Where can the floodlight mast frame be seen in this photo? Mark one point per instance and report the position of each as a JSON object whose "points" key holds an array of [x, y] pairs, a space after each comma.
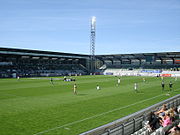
{"points": [[92, 44]]}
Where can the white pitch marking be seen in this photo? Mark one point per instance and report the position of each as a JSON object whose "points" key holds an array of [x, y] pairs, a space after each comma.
{"points": [[78, 121], [67, 128]]}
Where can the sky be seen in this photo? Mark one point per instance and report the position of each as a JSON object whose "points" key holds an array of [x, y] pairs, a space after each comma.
{"points": [[122, 27]]}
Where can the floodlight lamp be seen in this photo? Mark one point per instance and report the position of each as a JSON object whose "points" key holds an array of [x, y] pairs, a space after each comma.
{"points": [[93, 20]]}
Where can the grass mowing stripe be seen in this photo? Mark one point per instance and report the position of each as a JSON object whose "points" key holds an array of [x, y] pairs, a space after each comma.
{"points": [[13, 95], [95, 116]]}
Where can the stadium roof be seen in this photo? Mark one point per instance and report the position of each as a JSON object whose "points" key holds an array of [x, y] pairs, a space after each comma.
{"points": [[160, 55], [26, 52], [39, 53]]}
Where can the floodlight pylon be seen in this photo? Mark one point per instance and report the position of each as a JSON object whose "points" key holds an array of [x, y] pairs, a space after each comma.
{"points": [[92, 44]]}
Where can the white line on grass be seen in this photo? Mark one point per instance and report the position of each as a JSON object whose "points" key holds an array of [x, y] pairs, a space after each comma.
{"points": [[78, 121]]}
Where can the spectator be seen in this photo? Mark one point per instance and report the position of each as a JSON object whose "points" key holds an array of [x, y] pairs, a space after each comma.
{"points": [[176, 113], [154, 122], [162, 110], [166, 120], [175, 130], [172, 114]]}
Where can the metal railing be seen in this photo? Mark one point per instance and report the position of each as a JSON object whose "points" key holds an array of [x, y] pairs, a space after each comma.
{"points": [[131, 123]]}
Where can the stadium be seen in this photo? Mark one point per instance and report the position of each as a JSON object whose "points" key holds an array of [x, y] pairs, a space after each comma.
{"points": [[45, 92], [31, 103]]}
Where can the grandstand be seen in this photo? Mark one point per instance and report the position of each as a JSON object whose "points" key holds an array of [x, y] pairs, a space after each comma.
{"points": [[30, 63], [168, 60]]}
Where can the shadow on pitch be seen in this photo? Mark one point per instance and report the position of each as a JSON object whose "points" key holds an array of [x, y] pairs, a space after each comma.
{"points": [[82, 94], [139, 92]]}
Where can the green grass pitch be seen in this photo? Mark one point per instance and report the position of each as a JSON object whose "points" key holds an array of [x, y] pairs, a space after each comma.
{"points": [[36, 107]]}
